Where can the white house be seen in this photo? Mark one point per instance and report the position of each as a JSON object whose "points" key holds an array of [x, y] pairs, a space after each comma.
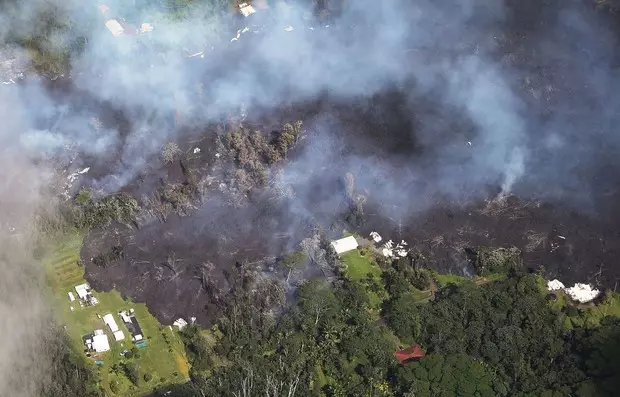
{"points": [[108, 319], [114, 27], [555, 285], [582, 293], [376, 237], [125, 317], [180, 323], [82, 290], [119, 335], [100, 341], [246, 9], [345, 244]]}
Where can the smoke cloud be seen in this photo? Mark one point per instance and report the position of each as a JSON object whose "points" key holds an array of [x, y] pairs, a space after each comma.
{"points": [[23, 310], [486, 98]]}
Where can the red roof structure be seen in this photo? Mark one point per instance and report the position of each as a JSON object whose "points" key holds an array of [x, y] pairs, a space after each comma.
{"points": [[411, 353], [104, 9]]}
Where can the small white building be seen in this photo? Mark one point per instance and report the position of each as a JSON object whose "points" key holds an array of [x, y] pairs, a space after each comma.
{"points": [[100, 341], [119, 335], [71, 297], [108, 319], [125, 317], [376, 237], [246, 9], [582, 293], [82, 290], [114, 27], [345, 244], [180, 324], [555, 285], [137, 337]]}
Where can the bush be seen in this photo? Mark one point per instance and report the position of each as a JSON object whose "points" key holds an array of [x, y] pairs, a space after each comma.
{"points": [[170, 152], [148, 377], [103, 260], [487, 260], [421, 279], [114, 387], [119, 207], [132, 372]]}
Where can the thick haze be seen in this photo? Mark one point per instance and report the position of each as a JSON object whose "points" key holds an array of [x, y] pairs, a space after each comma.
{"points": [[493, 99], [25, 317], [510, 104]]}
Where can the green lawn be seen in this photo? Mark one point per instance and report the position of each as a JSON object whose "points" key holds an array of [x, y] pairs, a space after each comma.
{"points": [[358, 268], [164, 357], [444, 279]]}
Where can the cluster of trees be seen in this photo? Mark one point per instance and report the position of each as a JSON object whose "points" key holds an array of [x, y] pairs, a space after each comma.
{"points": [[355, 200], [71, 374], [105, 259], [500, 338], [253, 152], [488, 260], [46, 30], [91, 213]]}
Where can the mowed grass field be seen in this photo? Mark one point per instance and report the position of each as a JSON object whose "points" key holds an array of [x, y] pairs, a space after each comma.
{"points": [[163, 357], [359, 267]]}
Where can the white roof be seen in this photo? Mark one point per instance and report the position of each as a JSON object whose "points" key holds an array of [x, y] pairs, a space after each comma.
{"points": [[119, 335], [246, 9], [345, 244], [555, 285], [376, 237], [180, 323], [137, 337], [82, 290], [100, 343], [125, 317], [110, 322], [71, 297], [582, 293], [114, 27]]}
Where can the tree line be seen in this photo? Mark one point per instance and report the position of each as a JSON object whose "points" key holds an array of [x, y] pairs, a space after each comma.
{"points": [[502, 338]]}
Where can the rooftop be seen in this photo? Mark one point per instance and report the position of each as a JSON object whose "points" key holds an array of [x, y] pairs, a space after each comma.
{"points": [[100, 342], [345, 244], [411, 353]]}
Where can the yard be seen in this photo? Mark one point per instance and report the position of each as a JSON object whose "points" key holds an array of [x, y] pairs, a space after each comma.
{"points": [[163, 357], [359, 267]]}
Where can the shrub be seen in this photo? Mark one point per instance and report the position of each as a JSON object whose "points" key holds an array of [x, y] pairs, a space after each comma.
{"points": [[132, 372], [114, 387]]}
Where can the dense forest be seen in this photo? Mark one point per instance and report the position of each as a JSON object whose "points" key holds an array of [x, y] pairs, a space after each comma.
{"points": [[501, 338]]}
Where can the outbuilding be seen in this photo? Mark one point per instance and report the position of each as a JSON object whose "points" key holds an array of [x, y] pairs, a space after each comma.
{"points": [[108, 319], [180, 323], [345, 244], [119, 335], [114, 27]]}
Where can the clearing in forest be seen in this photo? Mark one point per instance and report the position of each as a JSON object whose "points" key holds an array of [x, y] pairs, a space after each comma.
{"points": [[161, 362]]}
